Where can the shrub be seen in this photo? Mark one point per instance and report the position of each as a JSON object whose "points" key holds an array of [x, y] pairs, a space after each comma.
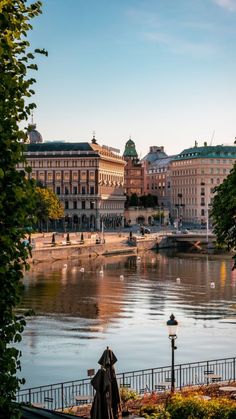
{"points": [[191, 407], [127, 394], [154, 412]]}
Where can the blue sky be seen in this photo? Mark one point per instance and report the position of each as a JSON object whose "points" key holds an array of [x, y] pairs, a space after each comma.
{"points": [[162, 71]]}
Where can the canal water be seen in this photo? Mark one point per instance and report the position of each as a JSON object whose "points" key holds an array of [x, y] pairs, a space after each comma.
{"points": [[124, 302]]}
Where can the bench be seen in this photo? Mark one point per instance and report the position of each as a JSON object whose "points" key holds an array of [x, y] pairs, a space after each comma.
{"points": [[83, 399], [209, 375]]}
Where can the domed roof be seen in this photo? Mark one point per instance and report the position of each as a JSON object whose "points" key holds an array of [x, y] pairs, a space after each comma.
{"points": [[34, 136], [130, 150]]}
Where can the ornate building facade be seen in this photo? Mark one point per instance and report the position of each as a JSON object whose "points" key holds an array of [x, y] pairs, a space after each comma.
{"points": [[156, 175], [134, 171], [194, 174], [88, 179]]}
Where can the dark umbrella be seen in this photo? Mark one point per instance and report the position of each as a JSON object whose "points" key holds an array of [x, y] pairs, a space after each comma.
{"points": [[106, 404]]}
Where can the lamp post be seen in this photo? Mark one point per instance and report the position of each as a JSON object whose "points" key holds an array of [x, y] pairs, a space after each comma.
{"points": [[172, 326]]}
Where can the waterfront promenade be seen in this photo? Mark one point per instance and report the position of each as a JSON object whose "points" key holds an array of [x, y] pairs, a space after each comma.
{"points": [[46, 247], [193, 375]]}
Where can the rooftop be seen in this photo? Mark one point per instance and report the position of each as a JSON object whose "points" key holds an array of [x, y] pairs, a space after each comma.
{"points": [[206, 151], [58, 146]]}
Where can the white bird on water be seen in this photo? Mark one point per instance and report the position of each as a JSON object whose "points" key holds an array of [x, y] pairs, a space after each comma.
{"points": [[122, 277], [101, 273], [212, 284], [81, 270], [178, 280], [138, 259]]}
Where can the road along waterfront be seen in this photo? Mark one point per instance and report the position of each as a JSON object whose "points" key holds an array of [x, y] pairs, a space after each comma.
{"points": [[124, 302]]}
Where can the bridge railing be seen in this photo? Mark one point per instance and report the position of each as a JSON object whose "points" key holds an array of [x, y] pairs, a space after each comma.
{"points": [[61, 395]]}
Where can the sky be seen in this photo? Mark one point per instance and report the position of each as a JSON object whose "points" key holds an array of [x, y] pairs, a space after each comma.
{"points": [[162, 72]]}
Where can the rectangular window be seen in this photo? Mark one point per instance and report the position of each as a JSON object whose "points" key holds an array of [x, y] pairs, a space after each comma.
{"points": [[66, 190], [91, 175], [92, 204], [66, 176], [75, 204], [58, 190], [83, 189], [83, 204], [58, 175], [75, 189], [75, 176], [91, 190], [83, 175], [66, 204]]}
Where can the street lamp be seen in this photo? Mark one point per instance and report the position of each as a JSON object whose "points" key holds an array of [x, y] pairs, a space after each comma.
{"points": [[172, 326]]}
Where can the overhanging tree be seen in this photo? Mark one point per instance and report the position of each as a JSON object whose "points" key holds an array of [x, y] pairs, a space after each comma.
{"points": [[16, 193], [223, 212]]}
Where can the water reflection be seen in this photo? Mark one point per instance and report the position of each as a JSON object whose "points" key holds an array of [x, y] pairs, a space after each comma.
{"points": [[79, 313]]}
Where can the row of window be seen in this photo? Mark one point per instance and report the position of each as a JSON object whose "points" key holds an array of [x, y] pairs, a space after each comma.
{"points": [[202, 171], [205, 161], [160, 177], [155, 186], [83, 175], [160, 170], [92, 205], [194, 181], [106, 177], [75, 190], [62, 163]]}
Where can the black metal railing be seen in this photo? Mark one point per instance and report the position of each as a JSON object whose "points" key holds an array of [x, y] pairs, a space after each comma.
{"points": [[61, 395]]}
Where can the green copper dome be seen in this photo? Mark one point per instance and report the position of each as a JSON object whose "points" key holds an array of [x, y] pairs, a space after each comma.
{"points": [[130, 150]]}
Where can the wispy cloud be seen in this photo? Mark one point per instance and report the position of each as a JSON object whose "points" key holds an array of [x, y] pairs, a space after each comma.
{"points": [[143, 17], [181, 46], [229, 5]]}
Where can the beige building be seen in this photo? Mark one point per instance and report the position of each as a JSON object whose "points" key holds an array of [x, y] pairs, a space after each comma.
{"points": [[194, 174], [88, 179]]}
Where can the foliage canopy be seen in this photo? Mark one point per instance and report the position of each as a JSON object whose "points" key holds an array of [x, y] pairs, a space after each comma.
{"points": [[48, 205], [223, 211], [16, 192]]}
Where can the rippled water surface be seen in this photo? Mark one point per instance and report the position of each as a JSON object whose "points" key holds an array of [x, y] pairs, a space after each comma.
{"points": [[126, 307]]}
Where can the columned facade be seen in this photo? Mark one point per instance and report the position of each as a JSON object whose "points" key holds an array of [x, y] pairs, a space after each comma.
{"points": [[194, 175], [87, 178]]}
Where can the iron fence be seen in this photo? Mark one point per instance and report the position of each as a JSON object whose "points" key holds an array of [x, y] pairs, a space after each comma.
{"points": [[61, 395]]}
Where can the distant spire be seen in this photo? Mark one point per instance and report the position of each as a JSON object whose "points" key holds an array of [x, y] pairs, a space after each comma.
{"points": [[32, 124], [94, 141]]}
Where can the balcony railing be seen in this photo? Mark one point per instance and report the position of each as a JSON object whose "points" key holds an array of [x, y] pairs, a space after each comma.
{"points": [[62, 395]]}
